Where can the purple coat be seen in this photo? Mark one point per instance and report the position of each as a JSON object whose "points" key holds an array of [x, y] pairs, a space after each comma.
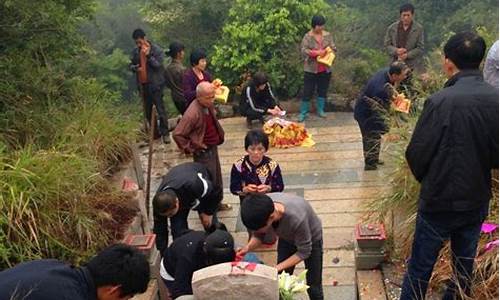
{"points": [[189, 83]]}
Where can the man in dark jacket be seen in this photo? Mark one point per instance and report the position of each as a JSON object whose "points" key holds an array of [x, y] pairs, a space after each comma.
{"points": [[185, 187], [189, 253], [371, 109], [147, 62], [453, 149], [117, 272]]}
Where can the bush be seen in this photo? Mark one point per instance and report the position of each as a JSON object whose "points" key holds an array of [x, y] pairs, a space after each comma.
{"points": [[265, 37]]}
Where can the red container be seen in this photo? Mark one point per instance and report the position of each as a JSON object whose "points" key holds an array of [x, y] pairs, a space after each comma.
{"points": [[370, 236], [143, 242]]}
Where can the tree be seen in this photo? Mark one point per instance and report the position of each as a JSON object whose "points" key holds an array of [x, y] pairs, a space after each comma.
{"points": [[265, 35]]}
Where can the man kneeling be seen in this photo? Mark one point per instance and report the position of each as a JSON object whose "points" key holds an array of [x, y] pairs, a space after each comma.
{"points": [[298, 228]]}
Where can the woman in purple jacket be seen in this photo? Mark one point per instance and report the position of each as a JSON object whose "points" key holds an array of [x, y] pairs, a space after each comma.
{"points": [[195, 75]]}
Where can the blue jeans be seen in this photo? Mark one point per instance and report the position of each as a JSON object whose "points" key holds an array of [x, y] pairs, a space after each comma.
{"points": [[431, 232], [314, 266]]}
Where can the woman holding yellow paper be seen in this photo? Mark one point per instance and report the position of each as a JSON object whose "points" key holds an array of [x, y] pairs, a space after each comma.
{"points": [[316, 43]]}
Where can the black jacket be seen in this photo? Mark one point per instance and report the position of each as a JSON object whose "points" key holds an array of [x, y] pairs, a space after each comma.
{"points": [[182, 258], [253, 101], [47, 279], [154, 66], [191, 190], [374, 102], [455, 145]]}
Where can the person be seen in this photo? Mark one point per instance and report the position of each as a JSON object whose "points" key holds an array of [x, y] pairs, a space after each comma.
{"points": [[198, 133], [186, 186], [370, 109], [257, 100], [193, 251], [117, 272], [404, 39], [490, 71], [298, 228], [194, 75], [452, 151], [147, 62], [316, 75], [174, 73]]}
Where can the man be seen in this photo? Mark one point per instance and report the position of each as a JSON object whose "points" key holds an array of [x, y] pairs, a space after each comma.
{"points": [[117, 272], [191, 252], [404, 39], [185, 187], [490, 71], [198, 133], [147, 63], [452, 151], [371, 107], [298, 228]]}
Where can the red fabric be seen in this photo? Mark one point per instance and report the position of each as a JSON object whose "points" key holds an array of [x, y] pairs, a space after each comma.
{"points": [[211, 137], [249, 266]]}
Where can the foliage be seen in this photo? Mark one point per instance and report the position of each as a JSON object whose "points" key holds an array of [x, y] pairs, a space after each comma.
{"points": [[265, 36]]}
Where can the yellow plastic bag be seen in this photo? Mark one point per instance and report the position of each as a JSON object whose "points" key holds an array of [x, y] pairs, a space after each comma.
{"points": [[222, 94], [328, 58]]}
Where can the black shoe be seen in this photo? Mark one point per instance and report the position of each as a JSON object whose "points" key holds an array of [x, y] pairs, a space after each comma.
{"points": [[166, 139], [370, 167], [380, 162]]}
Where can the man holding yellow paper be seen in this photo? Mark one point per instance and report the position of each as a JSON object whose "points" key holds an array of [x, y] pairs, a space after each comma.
{"points": [[315, 44]]}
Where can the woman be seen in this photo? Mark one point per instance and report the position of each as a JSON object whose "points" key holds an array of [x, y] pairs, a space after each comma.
{"points": [[195, 75], [316, 75], [174, 73], [257, 100]]}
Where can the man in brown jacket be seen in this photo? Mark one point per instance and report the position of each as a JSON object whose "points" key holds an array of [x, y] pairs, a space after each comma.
{"points": [[199, 133], [404, 39]]}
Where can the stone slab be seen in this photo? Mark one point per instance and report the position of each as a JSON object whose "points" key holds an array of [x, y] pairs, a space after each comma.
{"points": [[221, 282], [370, 285]]}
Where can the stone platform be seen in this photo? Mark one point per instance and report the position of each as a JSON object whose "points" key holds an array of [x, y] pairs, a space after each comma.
{"points": [[329, 175]]}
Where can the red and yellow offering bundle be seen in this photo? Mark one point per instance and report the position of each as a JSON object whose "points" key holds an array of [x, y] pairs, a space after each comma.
{"points": [[401, 103], [285, 134]]}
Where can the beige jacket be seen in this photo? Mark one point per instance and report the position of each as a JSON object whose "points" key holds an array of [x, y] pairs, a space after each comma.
{"points": [[309, 43], [414, 45]]}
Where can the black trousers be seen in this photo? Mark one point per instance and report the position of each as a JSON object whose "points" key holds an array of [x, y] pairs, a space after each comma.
{"points": [[316, 82], [154, 95], [371, 145], [314, 266]]}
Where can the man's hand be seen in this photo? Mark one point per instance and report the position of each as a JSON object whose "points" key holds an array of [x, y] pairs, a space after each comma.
{"points": [[145, 48], [240, 252], [263, 188], [403, 56], [250, 188], [206, 220]]}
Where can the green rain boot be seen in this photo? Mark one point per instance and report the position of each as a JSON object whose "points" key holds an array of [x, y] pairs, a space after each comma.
{"points": [[320, 107], [304, 109]]}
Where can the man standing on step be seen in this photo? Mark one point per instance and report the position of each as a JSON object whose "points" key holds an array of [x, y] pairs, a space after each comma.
{"points": [[147, 63], [372, 107], [298, 228], [452, 151], [198, 133]]}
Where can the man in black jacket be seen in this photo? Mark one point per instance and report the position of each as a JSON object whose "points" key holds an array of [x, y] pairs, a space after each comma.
{"points": [[193, 251], [452, 151], [186, 186], [150, 78], [117, 272]]}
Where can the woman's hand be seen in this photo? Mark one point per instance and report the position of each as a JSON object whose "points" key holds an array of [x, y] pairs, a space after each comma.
{"points": [[263, 188], [250, 188]]}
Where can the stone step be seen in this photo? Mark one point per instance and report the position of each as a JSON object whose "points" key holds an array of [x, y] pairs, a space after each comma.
{"points": [[370, 285]]}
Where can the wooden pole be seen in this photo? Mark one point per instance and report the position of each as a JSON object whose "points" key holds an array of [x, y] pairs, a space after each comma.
{"points": [[152, 129], [143, 97]]}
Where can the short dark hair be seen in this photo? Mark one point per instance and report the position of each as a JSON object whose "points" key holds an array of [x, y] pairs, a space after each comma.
{"points": [[174, 48], [259, 78], [317, 20], [397, 67], [120, 265], [256, 210], [407, 7], [219, 247], [466, 50], [196, 55], [255, 137], [163, 201], [138, 34]]}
